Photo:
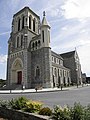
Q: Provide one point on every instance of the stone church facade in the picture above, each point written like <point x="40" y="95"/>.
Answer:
<point x="71" y="61"/>
<point x="30" y="59"/>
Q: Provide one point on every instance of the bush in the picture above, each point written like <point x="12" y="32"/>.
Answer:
<point x="61" y="113"/>
<point x="77" y="112"/>
<point x="32" y="106"/>
<point x="18" y="104"/>
<point x="87" y="113"/>
<point x="4" y="104"/>
<point x="45" y="111"/>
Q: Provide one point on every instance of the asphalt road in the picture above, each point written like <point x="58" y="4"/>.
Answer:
<point x="61" y="98"/>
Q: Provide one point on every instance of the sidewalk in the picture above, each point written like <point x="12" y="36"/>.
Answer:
<point x="42" y="90"/>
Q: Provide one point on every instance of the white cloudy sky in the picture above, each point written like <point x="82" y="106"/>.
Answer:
<point x="69" y="21"/>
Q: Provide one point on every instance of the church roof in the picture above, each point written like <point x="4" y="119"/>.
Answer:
<point x="56" y="55"/>
<point x="68" y="54"/>
<point x="24" y="10"/>
<point x="36" y="37"/>
<point x="44" y="21"/>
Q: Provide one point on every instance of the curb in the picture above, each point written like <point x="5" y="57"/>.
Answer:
<point x="38" y="91"/>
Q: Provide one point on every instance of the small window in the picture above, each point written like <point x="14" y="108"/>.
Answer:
<point x="36" y="44"/>
<point x="54" y="59"/>
<point x="37" y="72"/>
<point x="55" y="72"/>
<point x="19" y="24"/>
<point x="22" y="22"/>
<point x="59" y="61"/>
<point x="33" y="45"/>
<point x="21" y="40"/>
<point x="58" y="72"/>
<point x="52" y="70"/>
<point x="30" y="22"/>
<point x="17" y="42"/>
<point x="39" y="43"/>
<point x="43" y="35"/>
<point x="61" y="73"/>
<point x="34" y="24"/>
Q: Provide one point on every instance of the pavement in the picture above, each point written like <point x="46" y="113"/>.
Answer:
<point x="41" y="90"/>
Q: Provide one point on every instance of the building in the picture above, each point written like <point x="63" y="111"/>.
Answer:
<point x="71" y="61"/>
<point x="84" y="78"/>
<point x="88" y="80"/>
<point x="31" y="62"/>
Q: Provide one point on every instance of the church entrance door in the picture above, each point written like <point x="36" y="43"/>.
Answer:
<point x="19" y="77"/>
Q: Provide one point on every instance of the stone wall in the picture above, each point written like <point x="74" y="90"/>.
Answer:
<point x="19" y="115"/>
<point x="70" y="63"/>
<point x="42" y="59"/>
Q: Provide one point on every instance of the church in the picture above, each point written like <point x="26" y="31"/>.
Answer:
<point x="31" y="61"/>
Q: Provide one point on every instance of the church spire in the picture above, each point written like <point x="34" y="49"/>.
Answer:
<point x="44" y="21"/>
<point x="44" y="13"/>
<point x="45" y="32"/>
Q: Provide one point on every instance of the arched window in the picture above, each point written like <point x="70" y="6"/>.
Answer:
<point x="36" y="44"/>
<point x="43" y="35"/>
<point x="22" y="22"/>
<point x="54" y="59"/>
<point x="61" y="73"/>
<point x="39" y="43"/>
<point x="17" y="41"/>
<point x="52" y="70"/>
<point x="21" y="40"/>
<point x="55" y="72"/>
<point x="19" y="24"/>
<point x="37" y="72"/>
<point x="34" y="24"/>
<point x="30" y="22"/>
<point x="33" y="46"/>
<point x="58" y="72"/>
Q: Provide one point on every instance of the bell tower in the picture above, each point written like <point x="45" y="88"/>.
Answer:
<point x="25" y="26"/>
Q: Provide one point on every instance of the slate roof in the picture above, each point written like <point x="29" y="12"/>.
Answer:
<point x="68" y="54"/>
<point x="56" y="55"/>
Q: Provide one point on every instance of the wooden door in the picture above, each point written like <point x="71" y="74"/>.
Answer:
<point x="19" y="77"/>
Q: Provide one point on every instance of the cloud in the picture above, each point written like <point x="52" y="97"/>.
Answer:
<point x="9" y="8"/>
<point x="52" y="8"/>
<point x="4" y="33"/>
<point x="69" y="32"/>
<point x="70" y="37"/>
<point x="84" y="55"/>
<point x="79" y="9"/>
<point x="3" y="59"/>
<point x="3" y="71"/>
<point x="3" y="66"/>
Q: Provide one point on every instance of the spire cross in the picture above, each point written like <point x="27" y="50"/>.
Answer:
<point x="44" y="13"/>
